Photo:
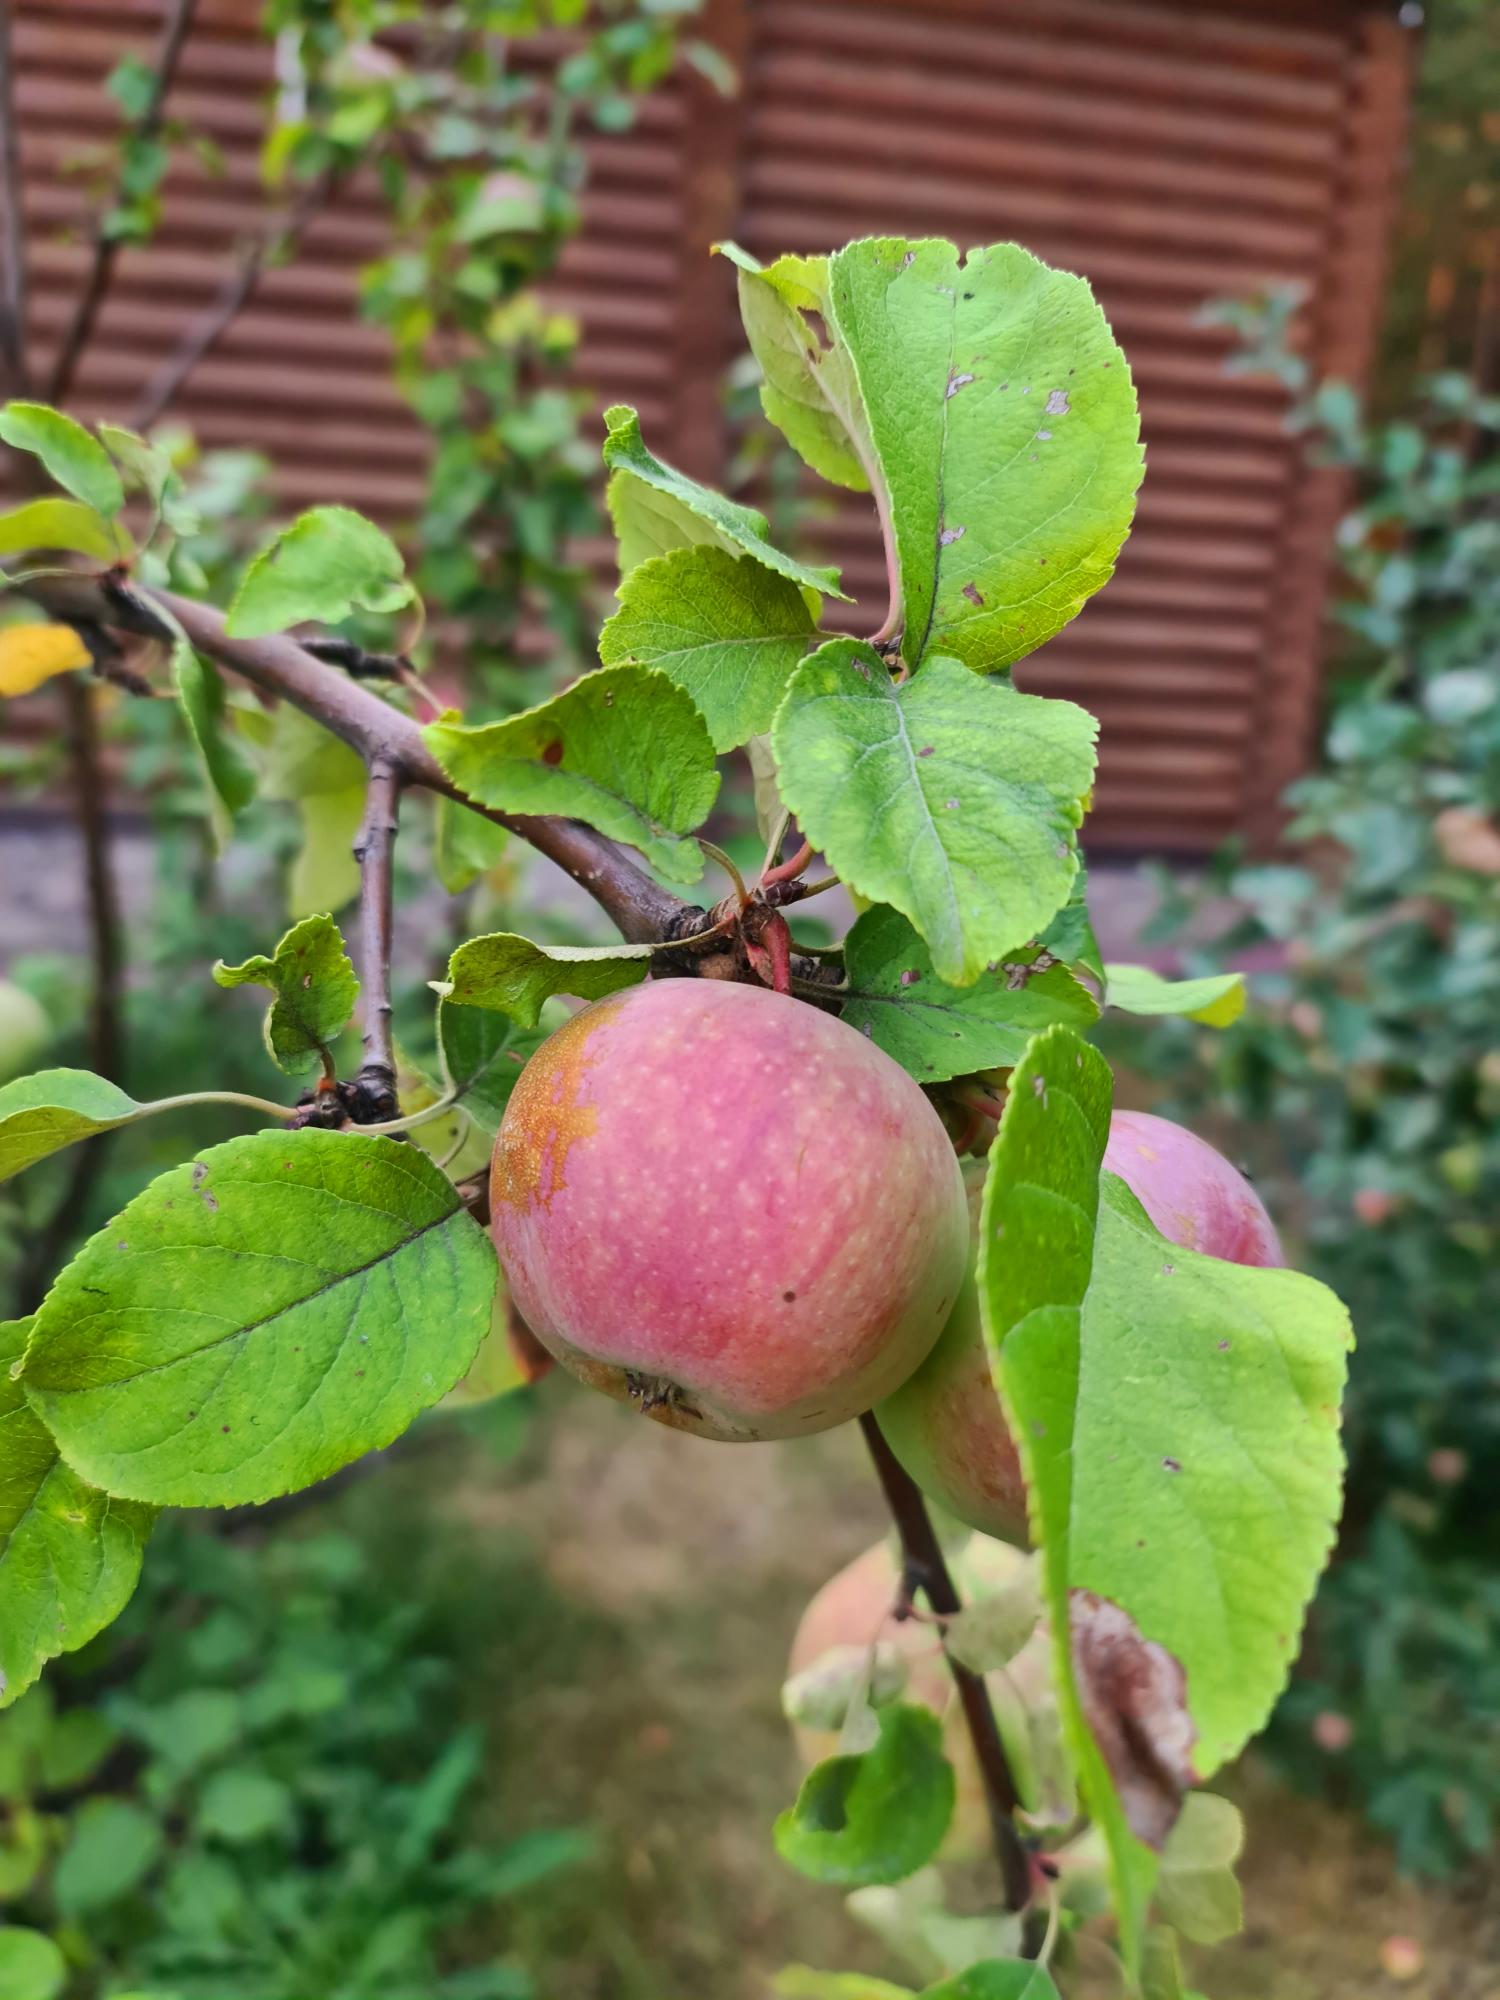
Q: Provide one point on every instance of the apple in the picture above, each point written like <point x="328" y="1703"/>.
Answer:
<point x="727" y="1207"/>
<point x="945" y="1423"/>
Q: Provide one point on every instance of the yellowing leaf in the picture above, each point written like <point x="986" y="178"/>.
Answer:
<point x="32" y="654"/>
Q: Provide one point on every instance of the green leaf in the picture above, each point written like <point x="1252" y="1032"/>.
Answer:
<point x="465" y="846"/>
<point x="243" y="1805"/>
<point x="990" y="1631"/>
<point x="192" y="1728"/>
<point x="75" y="460"/>
<point x="623" y="749"/>
<point x="1208" y="1429"/>
<point x="801" y="1982"/>
<point x="997" y="1979"/>
<point x="938" y="1031"/>
<point x="878" y="1816"/>
<point x="325" y="874"/>
<point x="809" y="391"/>
<point x="327" y="564"/>
<point x="231" y="782"/>
<point x="1005" y="427"/>
<point x="1070" y="935"/>
<point x="1036" y="1244"/>
<point x="31" y="1966"/>
<point x="75" y="1746"/>
<point x="69" y="1557"/>
<point x="148" y="469"/>
<point x="260" y="1316"/>
<point x="1198" y="1891"/>
<point x="112" y="1849"/>
<point x="955" y="799"/>
<point x="672" y="501"/>
<point x="1217" y="1001"/>
<point x="516" y="977"/>
<point x="41" y="1114"/>
<point x="728" y="631"/>
<point x="315" y="988"/>
<point x="483" y="1052"/>
<point x="62" y="524"/>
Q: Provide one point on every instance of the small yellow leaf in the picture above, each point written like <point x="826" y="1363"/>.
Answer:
<point x="31" y="654"/>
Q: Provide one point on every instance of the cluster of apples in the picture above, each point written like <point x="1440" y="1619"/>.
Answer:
<point x="731" y="1208"/>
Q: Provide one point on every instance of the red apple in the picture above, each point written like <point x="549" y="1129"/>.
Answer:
<point x="726" y="1206"/>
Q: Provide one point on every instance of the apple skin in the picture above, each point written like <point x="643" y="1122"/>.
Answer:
<point x="1190" y="1191"/>
<point x="945" y="1423"/>
<point x="726" y="1206"/>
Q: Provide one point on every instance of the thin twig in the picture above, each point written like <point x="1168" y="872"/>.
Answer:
<point x="12" y="222"/>
<point x="926" y="1569"/>
<point x="106" y="1036"/>
<point x="106" y="247"/>
<point x="237" y="288"/>
<point x="374" y="850"/>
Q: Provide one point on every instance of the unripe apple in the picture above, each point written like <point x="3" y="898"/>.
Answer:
<point x="726" y="1206"/>
<point x="945" y="1423"/>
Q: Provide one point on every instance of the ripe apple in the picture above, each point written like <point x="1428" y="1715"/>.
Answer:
<point x="945" y="1423"/>
<point x="726" y="1206"/>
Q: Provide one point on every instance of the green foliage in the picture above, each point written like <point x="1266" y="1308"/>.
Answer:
<point x="69" y="1556"/>
<point x="954" y="799"/>
<point x="271" y="1795"/>
<point x="808" y="388"/>
<point x="728" y="631"/>
<point x="623" y="749"/>
<point x="231" y="783"/>
<point x="328" y="564"/>
<point x="1197" y="1891"/>
<point x="62" y="524"/>
<point x="517" y="978"/>
<point x="997" y="1979"/>
<point x="315" y="988"/>
<point x="42" y="1113"/>
<point x="73" y="457"/>
<point x="877" y="1814"/>
<point x="1003" y="422"/>
<point x="183" y="1358"/>
<point x="1216" y="1000"/>
<point x="657" y="509"/>
<point x="939" y="1031"/>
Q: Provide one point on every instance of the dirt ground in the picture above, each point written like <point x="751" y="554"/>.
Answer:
<point x="640" y="1590"/>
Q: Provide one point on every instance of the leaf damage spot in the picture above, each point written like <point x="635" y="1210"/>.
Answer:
<point x="553" y="754"/>
<point x="1057" y="402"/>
<point x="1045" y="436"/>
<point x="1134" y="1695"/>
<point x="951" y="535"/>
<point x="972" y="594"/>
<point x="910" y="976"/>
<point x="957" y="382"/>
<point x="1171" y="1465"/>
<point x="926" y="750"/>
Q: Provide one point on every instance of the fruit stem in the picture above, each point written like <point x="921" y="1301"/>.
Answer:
<point x="925" y="1568"/>
<point x="787" y="871"/>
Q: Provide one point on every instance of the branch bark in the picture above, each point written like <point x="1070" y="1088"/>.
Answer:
<point x="174" y="35"/>
<point x="374" y="850"/>
<point x="106" y="1005"/>
<point x="12" y="222"/>
<point x="642" y="911"/>
<point x="925" y="1568"/>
